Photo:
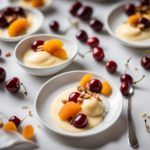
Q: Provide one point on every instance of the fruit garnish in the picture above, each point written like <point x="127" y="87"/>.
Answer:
<point x="146" y="126"/>
<point x="36" y="43"/>
<point x="145" y="61"/>
<point x="28" y="132"/>
<point x="76" y="5"/>
<point x="60" y="53"/>
<point x="73" y="97"/>
<point x="2" y="74"/>
<point x="19" y="11"/>
<point x="86" y="79"/>
<point x="133" y="19"/>
<point x="95" y="85"/>
<point x="93" y="42"/>
<point x="3" y="21"/>
<point x="106" y="89"/>
<point x="96" y="25"/>
<point x="8" y="11"/>
<point x="10" y="126"/>
<point x="54" y="25"/>
<point x="144" y="2"/>
<point x="145" y="22"/>
<point x="37" y="3"/>
<point x="82" y="36"/>
<point x="17" y="26"/>
<point x="111" y="66"/>
<point x="129" y="9"/>
<point x="70" y="109"/>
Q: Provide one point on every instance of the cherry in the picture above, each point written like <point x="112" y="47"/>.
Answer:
<point x="36" y="43"/>
<point x="144" y="2"/>
<point x="3" y="22"/>
<point x="96" y="25"/>
<point x="84" y="12"/>
<point x="145" y="61"/>
<point x="82" y="36"/>
<point x="74" y="96"/>
<point x="80" y="121"/>
<point x="76" y="5"/>
<point x="129" y="9"/>
<point x="19" y="11"/>
<point x="54" y="25"/>
<point x="145" y="22"/>
<point x="2" y="74"/>
<point x="111" y="66"/>
<point x="13" y="85"/>
<point x="95" y="85"/>
<point x="98" y="53"/>
<point x="8" y="11"/>
<point x="125" y="88"/>
<point x="93" y="42"/>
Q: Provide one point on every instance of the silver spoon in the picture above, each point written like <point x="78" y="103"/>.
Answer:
<point x="131" y="137"/>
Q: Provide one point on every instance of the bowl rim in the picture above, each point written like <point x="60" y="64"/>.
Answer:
<point x="75" y="135"/>
<point x="47" y="35"/>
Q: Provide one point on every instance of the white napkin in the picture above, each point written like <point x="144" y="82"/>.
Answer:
<point x="13" y="140"/>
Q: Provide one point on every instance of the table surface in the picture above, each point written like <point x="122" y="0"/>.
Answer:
<point x="116" y="136"/>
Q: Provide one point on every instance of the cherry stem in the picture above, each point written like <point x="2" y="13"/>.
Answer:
<point x="24" y="88"/>
<point x="139" y="80"/>
<point x="146" y="126"/>
<point x="127" y="64"/>
<point x="26" y="116"/>
<point x="82" y="55"/>
<point x="147" y="53"/>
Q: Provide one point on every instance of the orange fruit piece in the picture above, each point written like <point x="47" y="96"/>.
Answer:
<point x="106" y="89"/>
<point x="85" y="79"/>
<point x="133" y="19"/>
<point x="17" y="26"/>
<point x="70" y="109"/>
<point x="28" y="132"/>
<point x="10" y="126"/>
<point x="52" y="45"/>
<point x="60" y="53"/>
<point x="37" y="3"/>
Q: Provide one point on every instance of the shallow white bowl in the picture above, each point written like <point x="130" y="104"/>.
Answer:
<point x="42" y="8"/>
<point x="70" y="47"/>
<point x="38" y="19"/>
<point x="62" y="82"/>
<point x="115" y="17"/>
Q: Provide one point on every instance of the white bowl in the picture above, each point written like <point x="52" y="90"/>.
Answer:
<point x="42" y="8"/>
<point x="65" y="81"/>
<point x="37" y="20"/>
<point x="70" y="47"/>
<point x="115" y="17"/>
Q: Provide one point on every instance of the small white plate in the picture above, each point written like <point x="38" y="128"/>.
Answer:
<point x="65" y="81"/>
<point x="37" y="22"/>
<point x="115" y="17"/>
<point x="42" y="8"/>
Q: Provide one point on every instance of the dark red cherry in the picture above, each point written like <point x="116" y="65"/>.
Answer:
<point x="80" y="121"/>
<point x="3" y="22"/>
<point x="126" y="78"/>
<point x="111" y="66"/>
<point x="82" y="36"/>
<point x="76" y="5"/>
<point x="129" y="9"/>
<point x="125" y="88"/>
<point x="93" y="42"/>
<point x="2" y="74"/>
<point x="15" y="120"/>
<point x="8" y="11"/>
<point x="95" y="85"/>
<point x="13" y="85"/>
<point x="19" y="11"/>
<point x="98" y="53"/>
<point x="145" y="22"/>
<point x="84" y="12"/>
<point x="144" y="2"/>
<point x="54" y="25"/>
<point x="74" y="96"/>
<point x="145" y="61"/>
<point x="36" y="43"/>
<point x="96" y="25"/>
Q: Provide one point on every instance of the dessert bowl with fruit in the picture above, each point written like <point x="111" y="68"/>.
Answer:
<point x="18" y="22"/>
<point x="78" y="104"/>
<point x="44" y="55"/>
<point x="129" y="22"/>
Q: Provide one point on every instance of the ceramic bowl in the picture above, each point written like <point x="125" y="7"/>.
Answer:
<point x="60" y="83"/>
<point x="70" y="47"/>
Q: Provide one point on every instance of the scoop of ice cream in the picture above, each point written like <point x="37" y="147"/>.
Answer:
<point x="92" y="107"/>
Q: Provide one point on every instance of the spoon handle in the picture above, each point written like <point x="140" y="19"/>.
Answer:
<point x="132" y="140"/>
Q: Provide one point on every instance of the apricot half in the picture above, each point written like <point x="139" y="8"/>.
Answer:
<point x="133" y="19"/>
<point x="10" y="126"/>
<point x="37" y="3"/>
<point x="85" y="79"/>
<point x="60" y="53"/>
<point x="28" y="132"/>
<point x="106" y="89"/>
<point x="17" y="26"/>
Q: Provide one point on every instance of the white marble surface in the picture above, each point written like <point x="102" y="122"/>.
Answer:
<point x="115" y="137"/>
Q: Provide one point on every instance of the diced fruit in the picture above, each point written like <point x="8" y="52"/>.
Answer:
<point x="133" y="19"/>
<point x="70" y="109"/>
<point x="95" y="85"/>
<point x="17" y="26"/>
<point x="10" y="126"/>
<point x="37" y="3"/>
<point x="106" y="89"/>
<point x="60" y="53"/>
<point x="28" y="132"/>
<point x="53" y="45"/>
<point x="86" y="79"/>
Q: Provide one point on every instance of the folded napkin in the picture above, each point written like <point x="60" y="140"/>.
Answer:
<point x="13" y="140"/>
